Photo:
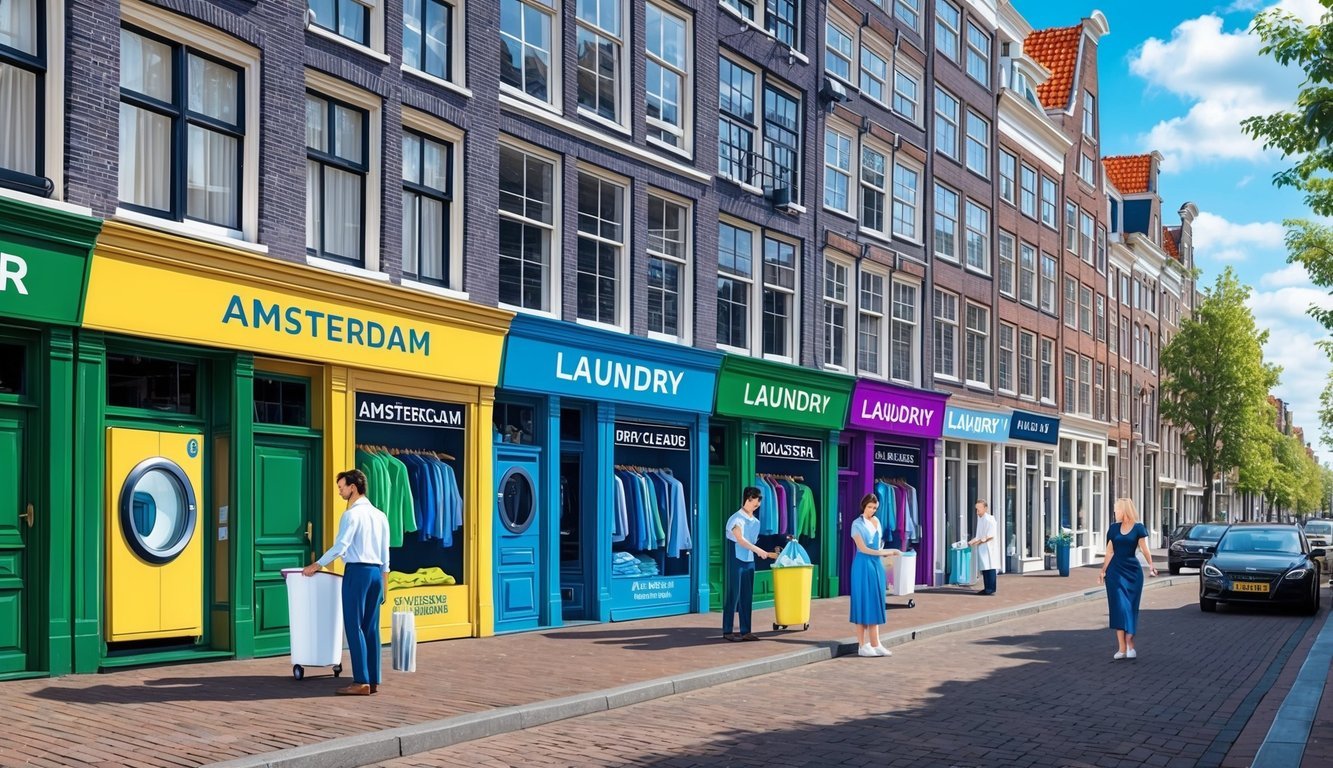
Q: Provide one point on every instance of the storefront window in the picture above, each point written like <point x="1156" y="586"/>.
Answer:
<point x="515" y="423"/>
<point x="282" y="401"/>
<point x="1011" y="499"/>
<point x="164" y="386"/>
<point x="13" y="369"/>
<point x="651" y="533"/>
<point x="1033" y="542"/>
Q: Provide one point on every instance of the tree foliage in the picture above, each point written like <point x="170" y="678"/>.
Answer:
<point x="1216" y="382"/>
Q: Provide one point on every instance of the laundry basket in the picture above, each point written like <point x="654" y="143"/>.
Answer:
<point x="960" y="565"/>
<point x="791" y="596"/>
<point x="315" y="618"/>
<point x="900" y="575"/>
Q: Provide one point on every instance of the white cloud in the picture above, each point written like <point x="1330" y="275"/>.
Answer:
<point x="1217" y="239"/>
<point x="1223" y="77"/>
<point x="1292" y="335"/>
<point x="1290" y="276"/>
<point x="1245" y="182"/>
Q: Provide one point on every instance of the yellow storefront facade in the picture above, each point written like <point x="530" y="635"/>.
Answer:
<point x="221" y="391"/>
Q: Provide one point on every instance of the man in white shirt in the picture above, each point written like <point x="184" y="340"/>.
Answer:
<point x="363" y="544"/>
<point x="987" y="542"/>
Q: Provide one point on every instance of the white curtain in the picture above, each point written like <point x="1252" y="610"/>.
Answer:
<point x="213" y="90"/>
<point x="145" y="158"/>
<point x="213" y="186"/>
<point x="432" y="238"/>
<point x="409" y="231"/>
<point x="342" y="221"/>
<point x="314" y="205"/>
<point x="18" y="25"/>
<point x="18" y="118"/>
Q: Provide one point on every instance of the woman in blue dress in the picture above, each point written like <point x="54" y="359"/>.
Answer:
<point x="1123" y="574"/>
<point x="868" y="584"/>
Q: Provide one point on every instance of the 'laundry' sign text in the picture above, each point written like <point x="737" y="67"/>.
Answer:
<point x="976" y="425"/>
<point x="615" y="374"/>
<point x="786" y="398"/>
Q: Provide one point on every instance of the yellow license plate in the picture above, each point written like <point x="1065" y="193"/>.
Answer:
<point x="1250" y="586"/>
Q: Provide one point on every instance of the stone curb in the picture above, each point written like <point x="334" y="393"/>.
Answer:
<point x="369" y="748"/>
<point x="1284" y="745"/>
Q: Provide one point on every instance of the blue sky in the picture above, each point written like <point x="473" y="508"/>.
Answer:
<point x="1178" y="80"/>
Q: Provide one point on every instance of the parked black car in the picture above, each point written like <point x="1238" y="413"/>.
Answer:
<point x="1188" y="551"/>
<point x="1262" y="563"/>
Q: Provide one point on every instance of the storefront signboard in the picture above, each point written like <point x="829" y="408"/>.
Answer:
<point x="599" y="374"/>
<point x="897" y="456"/>
<point x="1034" y="428"/>
<point x="776" y="392"/>
<point x="789" y="448"/>
<point x="981" y="426"/>
<point x="43" y="267"/>
<point x="653" y="590"/>
<point x="898" y="411"/>
<point x="661" y="437"/>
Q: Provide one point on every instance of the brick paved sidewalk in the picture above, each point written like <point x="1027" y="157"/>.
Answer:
<point x="200" y="713"/>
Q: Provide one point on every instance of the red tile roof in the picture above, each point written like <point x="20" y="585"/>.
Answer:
<point x="1056" y="50"/>
<point x="1171" y="242"/>
<point x="1129" y="173"/>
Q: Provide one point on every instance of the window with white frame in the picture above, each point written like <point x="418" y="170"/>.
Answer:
<point x="909" y="12"/>
<point x="1008" y="176"/>
<point x="1027" y="274"/>
<point x="182" y="130"/>
<point x="428" y="37"/>
<point x="528" y="64"/>
<point x="874" y="75"/>
<point x="837" y="170"/>
<point x="1085" y="242"/>
<point x="1148" y="361"/>
<point x="667" y="89"/>
<point x="1124" y="337"/>
<point x="1027" y="365"/>
<point x="1113" y="379"/>
<point x="779" y="298"/>
<point x="736" y="121"/>
<point x="1086" y="171"/>
<point x="946" y="222"/>
<point x="600" y="264"/>
<point x="345" y="18"/>
<point x="1049" y="202"/>
<point x="835" y="313"/>
<point x="782" y="141"/>
<point x="1071" y="227"/>
<point x="977" y="345"/>
<point x="946" y="123"/>
<point x="669" y="290"/>
<point x="839" y="49"/>
<point x="1071" y="302"/>
<point x="1085" y="309"/>
<point x="1049" y="268"/>
<point x="978" y="144"/>
<point x="1099" y="392"/>
<point x="1070" y="403"/>
<point x="978" y="54"/>
<point x="1085" y="385"/>
<point x="735" y="281"/>
<point x="907" y="91"/>
<point x="428" y="215"/>
<point x="1101" y="318"/>
<point x="906" y="193"/>
<point x="780" y="17"/>
<point x="905" y="343"/>
<point x="1113" y="333"/>
<point x="1101" y="249"/>
<point x="977" y="222"/>
<point x="1008" y="264"/>
<point x="1027" y="183"/>
<point x="1004" y="368"/>
<point x="600" y="42"/>
<point x="1125" y="396"/>
<point x="1089" y="115"/>
<point x="527" y="229"/>
<point x="337" y="149"/>
<point x="946" y="334"/>
<point x="1046" y="370"/>
<point x="870" y="324"/>
<point x="948" y="20"/>
<point x="24" y="77"/>
<point x="1138" y="343"/>
<point x="874" y="190"/>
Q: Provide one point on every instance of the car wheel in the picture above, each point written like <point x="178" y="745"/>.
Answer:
<point x="1207" y="604"/>
<point x="1313" y="607"/>
<point x="1173" y="568"/>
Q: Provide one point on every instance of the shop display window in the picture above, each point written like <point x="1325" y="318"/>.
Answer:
<point x="13" y="369"/>
<point x="898" y="487"/>
<point x="515" y="423"/>
<point x="282" y="401"/>
<point x="155" y="384"/>
<point x="412" y="453"/>
<point x="652" y="532"/>
<point x="789" y="473"/>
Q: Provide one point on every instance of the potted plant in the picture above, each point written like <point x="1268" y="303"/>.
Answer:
<point x="1060" y="542"/>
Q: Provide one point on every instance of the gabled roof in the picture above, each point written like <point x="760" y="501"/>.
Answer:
<point x="1056" y="50"/>
<point x="1129" y="173"/>
<point x="1171" y="242"/>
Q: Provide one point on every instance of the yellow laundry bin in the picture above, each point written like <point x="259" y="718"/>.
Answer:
<point x="791" y="596"/>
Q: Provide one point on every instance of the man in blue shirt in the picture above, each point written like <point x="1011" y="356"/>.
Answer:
<point x="743" y="529"/>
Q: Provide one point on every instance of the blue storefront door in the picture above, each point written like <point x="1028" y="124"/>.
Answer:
<point x="519" y="585"/>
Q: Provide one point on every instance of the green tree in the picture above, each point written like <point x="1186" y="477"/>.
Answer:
<point x="1326" y="502"/>
<point x="1216" y="383"/>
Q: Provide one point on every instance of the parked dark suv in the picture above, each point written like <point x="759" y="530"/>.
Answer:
<point x="1188" y="552"/>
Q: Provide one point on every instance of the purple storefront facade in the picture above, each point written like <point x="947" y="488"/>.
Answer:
<point x="890" y="439"/>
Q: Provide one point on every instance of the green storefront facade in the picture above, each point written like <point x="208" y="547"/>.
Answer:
<point x="776" y="424"/>
<point x="44" y="261"/>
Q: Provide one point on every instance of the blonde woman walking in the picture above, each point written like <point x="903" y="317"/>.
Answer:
<point x="1124" y="576"/>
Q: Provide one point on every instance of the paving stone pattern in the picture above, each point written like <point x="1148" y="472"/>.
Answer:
<point x="1040" y="691"/>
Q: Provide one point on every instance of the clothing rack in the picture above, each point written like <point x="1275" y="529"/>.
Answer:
<point x="637" y="468"/>
<point x="399" y="451"/>
<point x="771" y="476"/>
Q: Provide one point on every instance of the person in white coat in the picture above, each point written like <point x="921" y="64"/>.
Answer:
<point x="987" y="542"/>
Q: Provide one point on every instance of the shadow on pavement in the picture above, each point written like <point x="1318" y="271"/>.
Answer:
<point x="1059" y="699"/>
<point x="172" y="689"/>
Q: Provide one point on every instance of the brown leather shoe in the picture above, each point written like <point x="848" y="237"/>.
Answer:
<point x="750" y="637"/>
<point x="732" y="637"/>
<point x="355" y="689"/>
<point x="374" y="688"/>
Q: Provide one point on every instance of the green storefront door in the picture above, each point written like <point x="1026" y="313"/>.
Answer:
<point x="17" y="544"/>
<point x="286" y="507"/>
<point x="722" y="501"/>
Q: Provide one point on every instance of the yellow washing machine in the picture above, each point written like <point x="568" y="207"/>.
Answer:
<point x="154" y="541"/>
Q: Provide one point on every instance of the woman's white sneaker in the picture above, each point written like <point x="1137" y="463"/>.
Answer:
<point x="866" y="650"/>
<point x="1131" y="654"/>
<point x="880" y="650"/>
<point x="1118" y="656"/>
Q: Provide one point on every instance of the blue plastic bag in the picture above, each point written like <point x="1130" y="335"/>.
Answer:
<point x="792" y="554"/>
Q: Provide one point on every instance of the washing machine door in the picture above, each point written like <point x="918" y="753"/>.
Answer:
<point x="158" y="510"/>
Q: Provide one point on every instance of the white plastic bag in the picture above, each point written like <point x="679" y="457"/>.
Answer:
<point x="403" y="641"/>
